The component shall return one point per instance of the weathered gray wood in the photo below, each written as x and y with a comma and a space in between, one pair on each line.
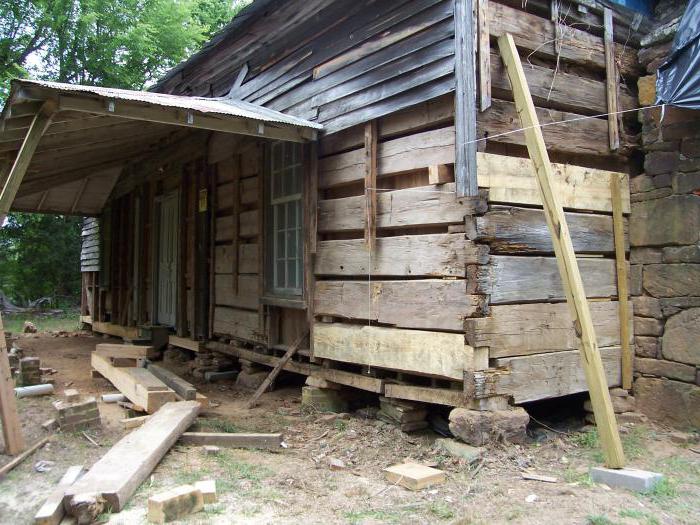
116, 476
524, 329
465, 99
407, 255
182, 388
512, 279
247, 258
243, 324
245, 296
431, 304
524, 230
231, 440
424, 205
544, 376
52, 511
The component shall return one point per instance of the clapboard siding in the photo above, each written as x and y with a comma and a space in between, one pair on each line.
90, 245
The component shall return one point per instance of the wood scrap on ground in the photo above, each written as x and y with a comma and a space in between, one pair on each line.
52, 511
24, 455
174, 504
231, 440
116, 476
414, 476
181, 387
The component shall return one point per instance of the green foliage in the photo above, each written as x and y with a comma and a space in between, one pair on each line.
40, 257
599, 519
116, 43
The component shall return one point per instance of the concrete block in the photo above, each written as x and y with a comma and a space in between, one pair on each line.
211, 377
626, 478
461, 450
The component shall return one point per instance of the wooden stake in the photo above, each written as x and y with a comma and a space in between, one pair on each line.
611, 80
371, 184
566, 258
278, 368
11, 427
622, 284
24, 455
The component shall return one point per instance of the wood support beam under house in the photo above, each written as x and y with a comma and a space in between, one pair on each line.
566, 258
40, 122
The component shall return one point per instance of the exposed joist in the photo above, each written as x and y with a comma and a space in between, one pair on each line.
79, 194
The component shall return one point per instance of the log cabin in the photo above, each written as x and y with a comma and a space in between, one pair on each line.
354, 170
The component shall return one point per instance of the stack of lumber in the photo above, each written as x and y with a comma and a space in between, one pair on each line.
404, 414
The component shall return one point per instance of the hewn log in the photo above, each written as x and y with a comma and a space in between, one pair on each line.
247, 258
431, 304
422, 206
421, 352
510, 279
524, 230
246, 295
243, 324
414, 255
524, 329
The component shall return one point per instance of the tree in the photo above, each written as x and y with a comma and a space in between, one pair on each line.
40, 256
116, 43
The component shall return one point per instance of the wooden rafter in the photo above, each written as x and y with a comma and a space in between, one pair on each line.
566, 258
40, 122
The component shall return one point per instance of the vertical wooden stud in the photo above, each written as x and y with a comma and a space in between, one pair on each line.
371, 184
566, 258
611, 82
465, 100
213, 207
554, 17
622, 284
310, 234
484, 56
11, 426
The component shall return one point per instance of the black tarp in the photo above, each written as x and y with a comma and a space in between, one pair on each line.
678, 79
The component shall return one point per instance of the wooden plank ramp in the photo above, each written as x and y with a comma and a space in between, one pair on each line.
115, 477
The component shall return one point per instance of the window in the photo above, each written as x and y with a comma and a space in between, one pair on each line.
284, 228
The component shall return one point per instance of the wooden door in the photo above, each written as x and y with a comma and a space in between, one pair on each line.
166, 260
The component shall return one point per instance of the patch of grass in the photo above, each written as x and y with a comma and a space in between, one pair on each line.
218, 425
213, 510
356, 517
582, 478
442, 510
232, 471
663, 491
681, 468
587, 439
634, 443
341, 425
189, 477
67, 322
599, 519
640, 515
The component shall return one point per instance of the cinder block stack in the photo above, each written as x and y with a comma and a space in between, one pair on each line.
210, 362
404, 414
77, 415
29, 371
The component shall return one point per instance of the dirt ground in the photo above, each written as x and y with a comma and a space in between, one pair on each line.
297, 485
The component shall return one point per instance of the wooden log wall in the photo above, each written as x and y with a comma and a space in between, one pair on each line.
238, 222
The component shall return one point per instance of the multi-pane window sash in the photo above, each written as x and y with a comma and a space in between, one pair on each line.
286, 222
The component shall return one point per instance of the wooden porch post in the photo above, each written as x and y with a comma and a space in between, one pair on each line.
11, 427
41, 121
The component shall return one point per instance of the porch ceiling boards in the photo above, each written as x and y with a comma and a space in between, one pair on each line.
62, 145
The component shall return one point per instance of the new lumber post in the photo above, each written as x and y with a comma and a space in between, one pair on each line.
11, 427
566, 258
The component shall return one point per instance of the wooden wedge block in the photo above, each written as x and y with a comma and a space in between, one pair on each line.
52, 511
134, 422
230, 440
414, 476
174, 504
208, 488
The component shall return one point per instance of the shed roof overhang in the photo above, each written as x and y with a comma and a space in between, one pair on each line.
62, 145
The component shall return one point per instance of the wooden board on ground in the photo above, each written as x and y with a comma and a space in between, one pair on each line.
125, 350
140, 386
414, 476
52, 511
438, 354
231, 440
116, 476
182, 388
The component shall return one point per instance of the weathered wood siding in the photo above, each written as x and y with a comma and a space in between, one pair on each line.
90, 245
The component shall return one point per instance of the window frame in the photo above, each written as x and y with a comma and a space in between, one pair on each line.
274, 224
